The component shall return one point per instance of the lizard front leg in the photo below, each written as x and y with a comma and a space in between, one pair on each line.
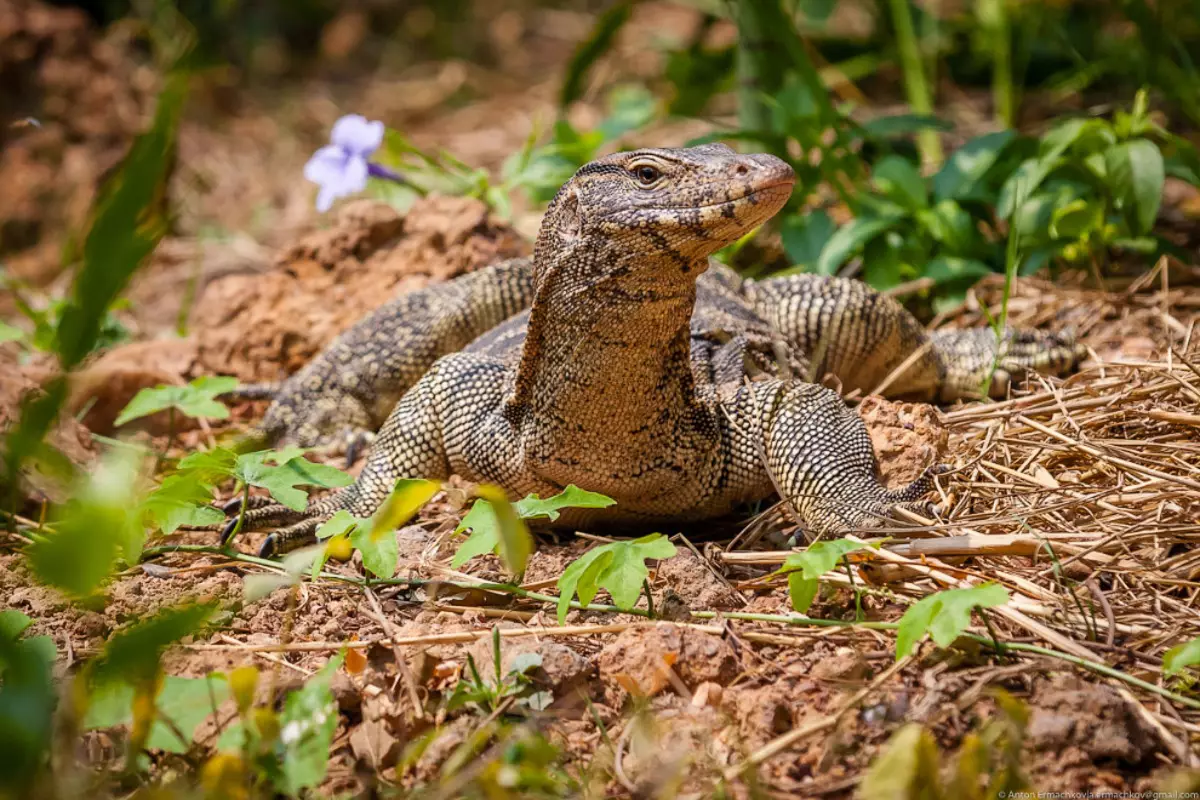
820, 456
352, 386
410, 444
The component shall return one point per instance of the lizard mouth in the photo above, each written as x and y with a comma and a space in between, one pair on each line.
754, 194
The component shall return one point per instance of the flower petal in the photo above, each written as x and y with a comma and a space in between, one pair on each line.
354, 133
327, 165
355, 178
325, 198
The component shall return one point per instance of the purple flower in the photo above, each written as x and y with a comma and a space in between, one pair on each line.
341, 167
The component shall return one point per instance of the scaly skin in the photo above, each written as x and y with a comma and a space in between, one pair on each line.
626, 375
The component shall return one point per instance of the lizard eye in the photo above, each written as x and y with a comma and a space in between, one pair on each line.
647, 174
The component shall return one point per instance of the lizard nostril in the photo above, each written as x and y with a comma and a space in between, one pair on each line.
742, 169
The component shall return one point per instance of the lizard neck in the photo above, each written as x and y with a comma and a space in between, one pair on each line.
604, 389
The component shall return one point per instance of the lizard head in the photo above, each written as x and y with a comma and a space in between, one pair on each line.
681, 204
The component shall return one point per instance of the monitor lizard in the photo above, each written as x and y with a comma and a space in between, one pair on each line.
620, 358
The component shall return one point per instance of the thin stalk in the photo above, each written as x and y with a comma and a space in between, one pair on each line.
993, 17
915, 86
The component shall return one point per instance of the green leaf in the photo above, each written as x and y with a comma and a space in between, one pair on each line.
962, 175
129, 217
947, 270
907, 769
10, 333
13, 623
619, 567
484, 525
485, 533
132, 654
533, 506
950, 225
181, 499
27, 702
103, 523
306, 727
904, 125
209, 466
185, 702
945, 615
1136, 175
1181, 656
805, 235
900, 182
288, 470
380, 554
515, 541
408, 496
848, 239
804, 570
196, 399
1073, 220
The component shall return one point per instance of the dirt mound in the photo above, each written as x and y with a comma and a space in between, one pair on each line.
74, 98
264, 327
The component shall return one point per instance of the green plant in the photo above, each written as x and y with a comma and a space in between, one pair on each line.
497, 526
804, 570
195, 399
619, 567
987, 764
1181, 656
374, 536
502, 690
945, 615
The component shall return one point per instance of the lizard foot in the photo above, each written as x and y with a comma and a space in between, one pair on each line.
256, 519
291, 538
870, 509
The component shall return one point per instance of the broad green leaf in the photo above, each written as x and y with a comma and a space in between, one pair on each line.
258, 585
209, 466
281, 472
901, 182
904, 125
515, 540
102, 523
181, 499
13, 623
571, 497
907, 769
805, 235
1073, 220
1136, 175
1026, 179
945, 615
1181, 656
408, 496
804, 570
485, 533
342, 523
185, 702
380, 554
196, 399
847, 240
27, 701
580, 577
962, 175
132, 654
619, 567
307, 724
950, 225
950, 270
10, 333
484, 525
128, 219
